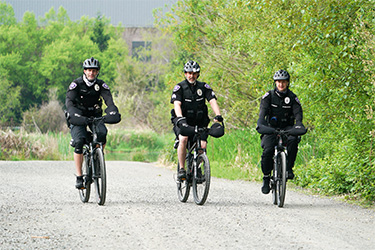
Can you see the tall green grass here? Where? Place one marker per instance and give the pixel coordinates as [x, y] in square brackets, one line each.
[132, 145]
[235, 155]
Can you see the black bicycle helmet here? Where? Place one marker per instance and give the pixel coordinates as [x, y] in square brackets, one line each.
[192, 66]
[91, 63]
[281, 75]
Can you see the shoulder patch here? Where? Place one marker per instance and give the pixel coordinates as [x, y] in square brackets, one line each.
[176, 88]
[104, 85]
[297, 100]
[265, 95]
[73, 85]
[207, 86]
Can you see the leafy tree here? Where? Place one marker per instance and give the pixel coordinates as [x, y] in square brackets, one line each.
[10, 102]
[7, 14]
[61, 63]
[327, 46]
[98, 35]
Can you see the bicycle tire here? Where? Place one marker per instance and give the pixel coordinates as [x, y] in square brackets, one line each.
[183, 187]
[84, 194]
[281, 184]
[274, 180]
[100, 179]
[201, 184]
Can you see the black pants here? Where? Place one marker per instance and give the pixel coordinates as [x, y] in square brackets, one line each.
[268, 144]
[80, 134]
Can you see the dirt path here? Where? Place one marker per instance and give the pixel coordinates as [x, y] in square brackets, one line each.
[40, 209]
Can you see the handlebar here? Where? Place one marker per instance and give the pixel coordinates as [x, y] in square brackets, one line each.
[217, 130]
[296, 130]
[92, 120]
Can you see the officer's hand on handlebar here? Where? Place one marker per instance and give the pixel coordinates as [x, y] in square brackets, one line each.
[218, 118]
[179, 121]
[89, 120]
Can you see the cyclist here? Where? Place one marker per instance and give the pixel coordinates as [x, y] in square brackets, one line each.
[189, 100]
[83, 100]
[279, 109]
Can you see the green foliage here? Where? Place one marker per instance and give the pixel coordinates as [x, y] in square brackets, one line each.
[134, 145]
[142, 95]
[236, 155]
[6, 14]
[47, 54]
[10, 102]
[98, 35]
[327, 47]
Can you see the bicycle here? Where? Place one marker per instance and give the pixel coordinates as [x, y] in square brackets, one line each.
[198, 171]
[280, 158]
[93, 166]
[279, 173]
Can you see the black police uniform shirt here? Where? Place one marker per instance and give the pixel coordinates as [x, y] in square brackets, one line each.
[87, 100]
[285, 108]
[193, 98]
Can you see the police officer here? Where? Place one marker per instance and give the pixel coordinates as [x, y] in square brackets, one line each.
[279, 109]
[189, 100]
[83, 100]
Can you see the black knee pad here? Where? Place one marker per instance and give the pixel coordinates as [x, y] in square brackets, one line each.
[78, 145]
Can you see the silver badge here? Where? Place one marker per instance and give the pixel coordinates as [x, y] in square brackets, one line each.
[287, 100]
[199, 92]
[96, 87]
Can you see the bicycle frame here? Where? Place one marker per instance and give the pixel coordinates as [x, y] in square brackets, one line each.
[93, 146]
[194, 145]
[198, 173]
[94, 166]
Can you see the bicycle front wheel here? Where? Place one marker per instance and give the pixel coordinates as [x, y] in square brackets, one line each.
[183, 186]
[281, 181]
[84, 194]
[201, 179]
[100, 178]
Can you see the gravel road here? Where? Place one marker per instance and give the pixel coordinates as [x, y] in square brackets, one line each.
[41, 209]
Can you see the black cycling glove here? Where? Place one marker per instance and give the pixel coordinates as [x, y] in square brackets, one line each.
[219, 118]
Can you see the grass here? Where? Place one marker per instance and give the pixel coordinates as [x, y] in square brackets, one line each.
[131, 145]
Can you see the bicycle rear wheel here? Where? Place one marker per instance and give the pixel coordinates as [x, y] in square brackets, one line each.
[281, 181]
[183, 187]
[201, 180]
[100, 178]
[84, 194]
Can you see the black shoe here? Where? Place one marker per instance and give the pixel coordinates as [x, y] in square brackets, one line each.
[181, 174]
[266, 184]
[176, 142]
[290, 175]
[79, 182]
